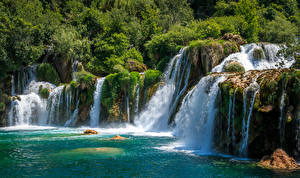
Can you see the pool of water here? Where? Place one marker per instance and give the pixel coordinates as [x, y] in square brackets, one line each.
[57, 152]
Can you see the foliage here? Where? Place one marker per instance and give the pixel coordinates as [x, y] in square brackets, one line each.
[46, 72]
[44, 92]
[234, 67]
[152, 77]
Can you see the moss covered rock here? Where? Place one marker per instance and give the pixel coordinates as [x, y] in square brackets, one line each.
[46, 72]
[264, 132]
[258, 53]
[44, 92]
[133, 65]
[234, 67]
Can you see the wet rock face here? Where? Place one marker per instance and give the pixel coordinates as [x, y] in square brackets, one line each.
[279, 160]
[276, 100]
[64, 69]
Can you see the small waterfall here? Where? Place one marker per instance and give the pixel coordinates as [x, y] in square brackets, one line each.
[254, 88]
[28, 110]
[127, 108]
[53, 105]
[229, 120]
[136, 111]
[270, 60]
[157, 112]
[195, 119]
[232, 122]
[281, 119]
[95, 110]
[71, 122]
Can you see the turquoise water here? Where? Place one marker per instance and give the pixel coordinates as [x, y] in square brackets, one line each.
[57, 152]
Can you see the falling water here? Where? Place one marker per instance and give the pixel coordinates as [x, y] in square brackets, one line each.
[229, 120]
[127, 107]
[95, 110]
[232, 122]
[253, 87]
[195, 119]
[71, 122]
[271, 59]
[53, 105]
[136, 111]
[157, 112]
[281, 119]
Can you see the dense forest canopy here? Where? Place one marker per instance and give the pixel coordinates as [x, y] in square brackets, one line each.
[105, 34]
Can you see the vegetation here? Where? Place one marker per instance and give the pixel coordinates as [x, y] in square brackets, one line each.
[44, 92]
[109, 36]
[234, 67]
[46, 72]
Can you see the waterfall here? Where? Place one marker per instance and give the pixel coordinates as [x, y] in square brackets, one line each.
[127, 108]
[254, 88]
[27, 110]
[53, 105]
[195, 119]
[271, 58]
[157, 112]
[71, 122]
[281, 119]
[229, 120]
[136, 111]
[95, 110]
[232, 122]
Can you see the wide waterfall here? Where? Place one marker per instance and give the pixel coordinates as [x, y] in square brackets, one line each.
[159, 109]
[95, 111]
[195, 119]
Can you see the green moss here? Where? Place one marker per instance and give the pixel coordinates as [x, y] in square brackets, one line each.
[152, 77]
[234, 67]
[163, 63]
[46, 72]
[85, 78]
[258, 53]
[2, 106]
[44, 92]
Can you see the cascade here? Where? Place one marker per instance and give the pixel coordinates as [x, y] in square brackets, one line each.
[252, 88]
[271, 59]
[73, 118]
[136, 111]
[281, 119]
[232, 122]
[157, 112]
[229, 120]
[95, 110]
[127, 107]
[195, 118]
[53, 105]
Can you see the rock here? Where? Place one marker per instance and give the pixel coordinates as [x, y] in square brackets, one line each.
[258, 53]
[133, 65]
[234, 67]
[279, 160]
[267, 108]
[118, 137]
[235, 38]
[90, 132]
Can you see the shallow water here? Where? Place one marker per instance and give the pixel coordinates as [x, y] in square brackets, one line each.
[56, 152]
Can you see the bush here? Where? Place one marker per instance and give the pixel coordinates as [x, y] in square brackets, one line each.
[152, 77]
[85, 79]
[2, 106]
[279, 30]
[258, 53]
[234, 67]
[44, 92]
[46, 72]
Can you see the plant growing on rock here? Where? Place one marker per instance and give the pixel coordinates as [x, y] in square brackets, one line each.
[234, 67]
[46, 72]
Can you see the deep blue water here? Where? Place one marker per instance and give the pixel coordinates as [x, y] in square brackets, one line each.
[63, 152]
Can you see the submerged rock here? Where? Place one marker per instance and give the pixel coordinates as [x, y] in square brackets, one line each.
[118, 137]
[279, 160]
[90, 132]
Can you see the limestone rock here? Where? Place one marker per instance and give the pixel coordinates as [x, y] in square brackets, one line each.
[279, 160]
[118, 137]
[90, 132]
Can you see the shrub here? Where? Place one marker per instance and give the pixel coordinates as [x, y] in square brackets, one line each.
[44, 92]
[2, 106]
[152, 77]
[46, 72]
[85, 79]
[234, 67]
[258, 53]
